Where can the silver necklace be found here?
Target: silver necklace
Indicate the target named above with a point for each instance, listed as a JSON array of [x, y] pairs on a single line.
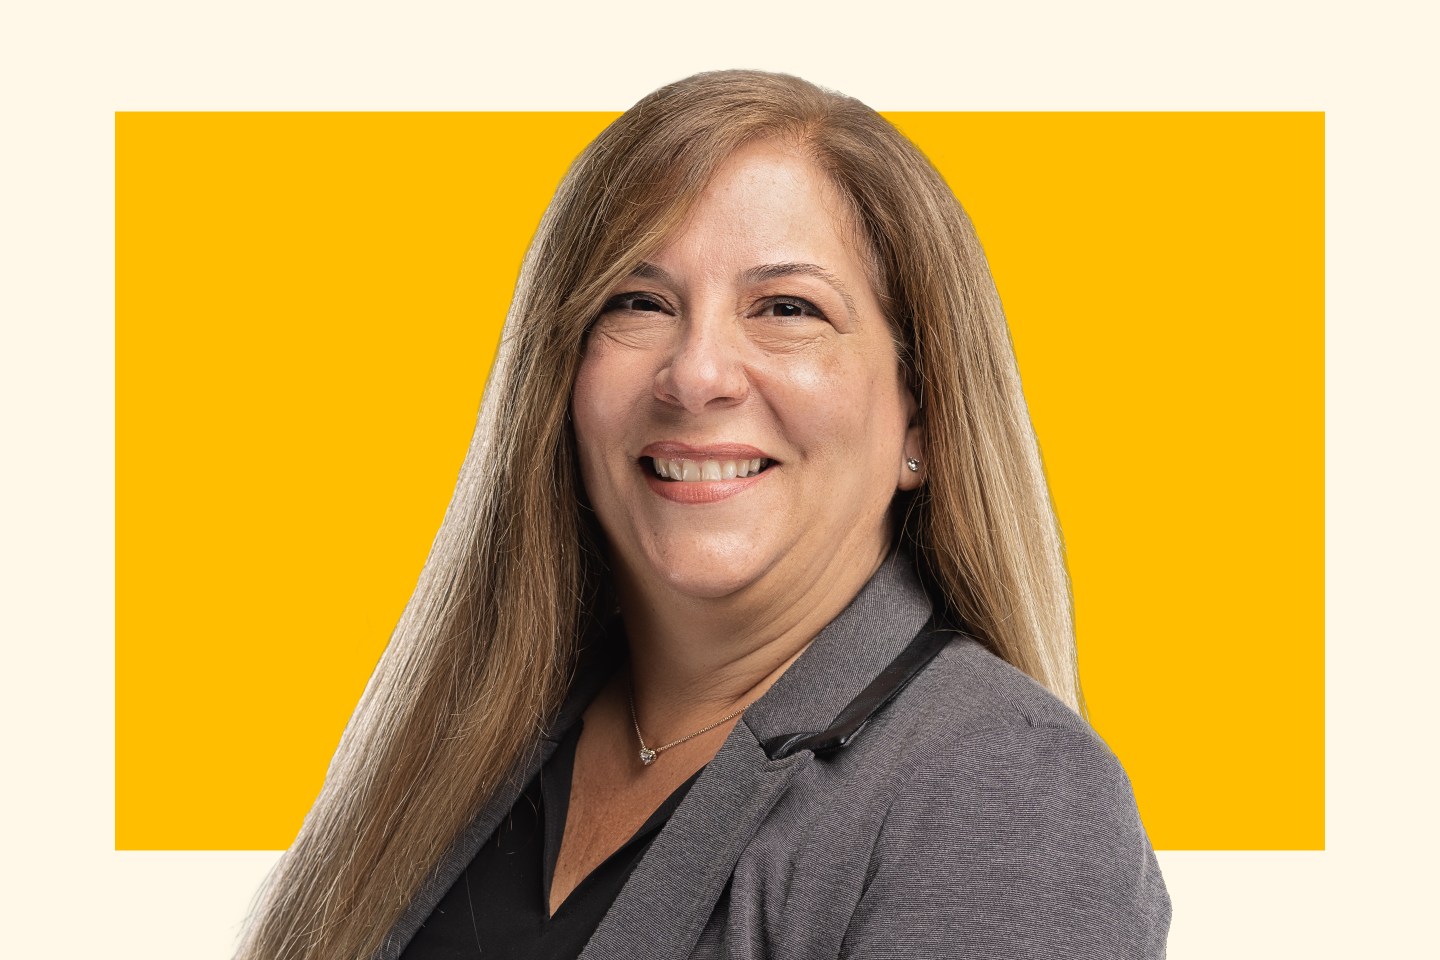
[[647, 755]]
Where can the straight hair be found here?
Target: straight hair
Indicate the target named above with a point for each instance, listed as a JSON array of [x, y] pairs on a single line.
[[483, 653]]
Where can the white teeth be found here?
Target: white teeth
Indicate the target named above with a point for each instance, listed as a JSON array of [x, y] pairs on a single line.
[[692, 471]]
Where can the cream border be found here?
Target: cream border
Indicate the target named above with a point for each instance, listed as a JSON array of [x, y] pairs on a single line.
[[70, 67]]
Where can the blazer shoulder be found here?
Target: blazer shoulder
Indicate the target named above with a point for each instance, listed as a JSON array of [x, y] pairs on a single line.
[[970, 721], [968, 690], [1011, 810], [971, 725]]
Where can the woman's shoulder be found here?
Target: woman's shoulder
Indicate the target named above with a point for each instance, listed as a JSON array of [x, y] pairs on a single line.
[[974, 733], [971, 689], [1005, 799], [970, 702], [971, 735], [972, 725]]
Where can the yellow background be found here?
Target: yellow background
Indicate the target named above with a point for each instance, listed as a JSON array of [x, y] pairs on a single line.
[[307, 305]]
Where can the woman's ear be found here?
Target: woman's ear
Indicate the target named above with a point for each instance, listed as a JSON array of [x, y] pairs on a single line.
[[912, 466]]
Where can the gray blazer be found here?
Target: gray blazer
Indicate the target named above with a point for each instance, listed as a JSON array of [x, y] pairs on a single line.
[[898, 792]]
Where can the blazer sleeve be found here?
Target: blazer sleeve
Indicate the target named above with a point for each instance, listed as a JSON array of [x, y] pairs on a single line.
[[1019, 842]]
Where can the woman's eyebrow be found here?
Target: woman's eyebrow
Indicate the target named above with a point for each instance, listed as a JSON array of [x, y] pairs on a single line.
[[649, 271], [773, 271]]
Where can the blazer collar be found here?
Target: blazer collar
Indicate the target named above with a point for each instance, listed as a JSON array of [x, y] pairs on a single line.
[[846, 657], [854, 666]]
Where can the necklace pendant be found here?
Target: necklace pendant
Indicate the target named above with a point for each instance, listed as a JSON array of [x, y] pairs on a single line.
[[647, 756]]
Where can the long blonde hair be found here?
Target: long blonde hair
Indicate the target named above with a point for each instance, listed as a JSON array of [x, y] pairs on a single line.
[[481, 658]]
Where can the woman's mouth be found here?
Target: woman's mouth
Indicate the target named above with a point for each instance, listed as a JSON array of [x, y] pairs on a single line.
[[680, 470]]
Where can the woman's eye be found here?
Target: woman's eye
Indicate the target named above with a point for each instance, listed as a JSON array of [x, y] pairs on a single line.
[[638, 302], [790, 307]]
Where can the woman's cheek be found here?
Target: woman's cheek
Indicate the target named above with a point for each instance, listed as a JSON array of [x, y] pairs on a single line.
[[819, 370]]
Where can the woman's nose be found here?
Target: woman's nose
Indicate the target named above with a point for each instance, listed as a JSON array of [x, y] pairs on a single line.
[[705, 368]]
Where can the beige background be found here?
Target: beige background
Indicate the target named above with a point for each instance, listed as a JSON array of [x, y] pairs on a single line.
[[68, 68]]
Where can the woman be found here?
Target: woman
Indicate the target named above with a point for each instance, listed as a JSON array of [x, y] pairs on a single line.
[[722, 649]]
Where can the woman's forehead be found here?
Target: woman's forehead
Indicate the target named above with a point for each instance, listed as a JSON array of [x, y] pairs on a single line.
[[769, 210]]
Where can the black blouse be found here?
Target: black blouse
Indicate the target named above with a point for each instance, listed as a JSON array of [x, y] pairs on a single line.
[[499, 906]]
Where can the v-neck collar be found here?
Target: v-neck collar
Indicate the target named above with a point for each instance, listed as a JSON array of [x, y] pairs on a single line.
[[556, 777]]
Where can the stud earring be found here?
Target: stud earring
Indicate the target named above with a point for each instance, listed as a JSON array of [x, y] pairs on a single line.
[[913, 464]]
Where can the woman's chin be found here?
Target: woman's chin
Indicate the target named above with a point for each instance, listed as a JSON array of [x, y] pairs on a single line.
[[708, 584], [707, 574]]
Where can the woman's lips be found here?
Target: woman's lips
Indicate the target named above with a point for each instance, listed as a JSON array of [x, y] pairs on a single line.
[[687, 474], [718, 451], [700, 491]]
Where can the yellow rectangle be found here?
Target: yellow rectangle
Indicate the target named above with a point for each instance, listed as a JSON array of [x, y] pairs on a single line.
[[308, 304]]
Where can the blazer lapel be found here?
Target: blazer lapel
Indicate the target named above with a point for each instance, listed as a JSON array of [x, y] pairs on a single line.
[[663, 908], [853, 667], [595, 662]]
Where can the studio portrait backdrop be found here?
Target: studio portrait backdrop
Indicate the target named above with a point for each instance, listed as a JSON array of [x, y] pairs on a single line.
[[308, 305]]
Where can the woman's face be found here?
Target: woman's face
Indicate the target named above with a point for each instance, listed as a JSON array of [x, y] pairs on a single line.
[[752, 339]]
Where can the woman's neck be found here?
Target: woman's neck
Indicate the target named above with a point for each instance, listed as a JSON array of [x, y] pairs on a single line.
[[695, 659]]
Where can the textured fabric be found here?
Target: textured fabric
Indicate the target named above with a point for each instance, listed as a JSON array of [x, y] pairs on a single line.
[[974, 816]]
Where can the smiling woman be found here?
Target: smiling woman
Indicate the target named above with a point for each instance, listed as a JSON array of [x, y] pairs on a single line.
[[751, 339], [747, 632]]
